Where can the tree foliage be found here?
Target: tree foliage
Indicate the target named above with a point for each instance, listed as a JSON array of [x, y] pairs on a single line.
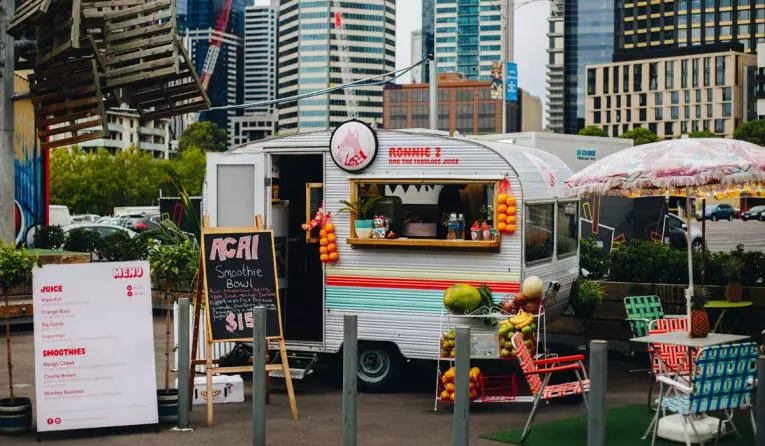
[[593, 130], [206, 135], [751, 131], [640, 136], [97, 182], [15, 266], [702, 134]]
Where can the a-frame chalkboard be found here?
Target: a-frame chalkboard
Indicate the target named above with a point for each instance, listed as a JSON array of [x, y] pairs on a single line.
[[244, 256], [240, 274]]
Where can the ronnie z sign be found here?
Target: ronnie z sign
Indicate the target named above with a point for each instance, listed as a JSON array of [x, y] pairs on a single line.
[[240, 274]]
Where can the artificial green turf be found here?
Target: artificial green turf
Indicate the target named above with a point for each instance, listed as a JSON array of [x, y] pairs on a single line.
[[624, 427]]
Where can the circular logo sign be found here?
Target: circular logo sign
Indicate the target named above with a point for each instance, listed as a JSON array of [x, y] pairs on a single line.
[[353, 146]]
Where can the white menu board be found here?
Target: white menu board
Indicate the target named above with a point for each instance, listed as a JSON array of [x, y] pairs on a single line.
[[94, 346]]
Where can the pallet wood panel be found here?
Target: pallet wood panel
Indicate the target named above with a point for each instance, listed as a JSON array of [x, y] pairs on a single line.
[[58, 32], [26, 16], [140, 44], [69, 104], [171, 96]]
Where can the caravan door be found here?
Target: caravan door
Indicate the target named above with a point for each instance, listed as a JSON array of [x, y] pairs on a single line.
[[235, 188]]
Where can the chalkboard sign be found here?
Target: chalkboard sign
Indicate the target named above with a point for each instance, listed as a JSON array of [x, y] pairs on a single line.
[[240, 273]]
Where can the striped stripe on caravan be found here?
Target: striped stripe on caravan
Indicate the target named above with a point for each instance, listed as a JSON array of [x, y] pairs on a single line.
[[409, 290]]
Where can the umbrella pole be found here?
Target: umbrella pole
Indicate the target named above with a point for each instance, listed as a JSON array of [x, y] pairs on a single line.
[[689, 291]]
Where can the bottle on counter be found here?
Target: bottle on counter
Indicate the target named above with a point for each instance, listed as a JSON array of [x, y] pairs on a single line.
[[461, 227], [452, 227]]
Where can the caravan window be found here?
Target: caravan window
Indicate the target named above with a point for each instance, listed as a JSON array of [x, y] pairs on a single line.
[[420, 210], [540, 232], [568, 231]]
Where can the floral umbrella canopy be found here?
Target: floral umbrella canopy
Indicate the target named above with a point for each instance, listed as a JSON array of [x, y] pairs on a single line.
[[690, 167]]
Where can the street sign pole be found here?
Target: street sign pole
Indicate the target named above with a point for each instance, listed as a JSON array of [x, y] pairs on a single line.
[[7, 175]]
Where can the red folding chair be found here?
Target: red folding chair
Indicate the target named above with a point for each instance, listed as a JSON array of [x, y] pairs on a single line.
[[667, 359], [538, 373]]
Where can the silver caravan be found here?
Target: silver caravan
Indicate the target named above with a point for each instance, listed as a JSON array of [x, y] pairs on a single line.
[[393, 278]]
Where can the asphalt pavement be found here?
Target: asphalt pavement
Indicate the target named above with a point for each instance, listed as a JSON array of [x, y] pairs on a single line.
[[404, 418], [725, 235]]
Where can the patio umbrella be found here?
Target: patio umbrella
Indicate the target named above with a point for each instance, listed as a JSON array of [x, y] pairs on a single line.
[[689, 167]]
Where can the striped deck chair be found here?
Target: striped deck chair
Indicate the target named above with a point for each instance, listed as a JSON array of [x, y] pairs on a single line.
[[641, 310], [723, 380], [667, 359], [538, 373]]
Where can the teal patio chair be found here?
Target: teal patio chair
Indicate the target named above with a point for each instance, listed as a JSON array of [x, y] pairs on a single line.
[[723, 380], [641, 310]]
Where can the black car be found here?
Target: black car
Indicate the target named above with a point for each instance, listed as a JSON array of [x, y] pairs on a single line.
[[755, 213]]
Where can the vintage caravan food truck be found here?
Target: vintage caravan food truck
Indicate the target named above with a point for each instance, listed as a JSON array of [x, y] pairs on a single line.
[[393, 276]]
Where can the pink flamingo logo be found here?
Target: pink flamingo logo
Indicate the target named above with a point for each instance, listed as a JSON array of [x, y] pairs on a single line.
[[349, 149]]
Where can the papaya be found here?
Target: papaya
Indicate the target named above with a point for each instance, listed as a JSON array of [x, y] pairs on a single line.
[[461, 298]]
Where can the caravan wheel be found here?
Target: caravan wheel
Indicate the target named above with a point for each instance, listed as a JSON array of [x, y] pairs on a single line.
[[379, 364]]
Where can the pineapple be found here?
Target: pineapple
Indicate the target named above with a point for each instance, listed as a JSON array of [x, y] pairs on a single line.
[[733, 269], [699, 317]]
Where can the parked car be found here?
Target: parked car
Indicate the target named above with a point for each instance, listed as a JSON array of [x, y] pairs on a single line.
[[104, 230], [716, 212], [675, 229], [59, 215], [144, 223], [755, 213], [85, 218]]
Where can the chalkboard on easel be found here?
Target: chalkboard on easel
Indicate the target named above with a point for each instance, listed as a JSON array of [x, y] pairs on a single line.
[[240, 273]]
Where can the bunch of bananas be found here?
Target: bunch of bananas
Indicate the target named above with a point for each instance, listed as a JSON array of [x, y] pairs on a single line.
[[522, 319]]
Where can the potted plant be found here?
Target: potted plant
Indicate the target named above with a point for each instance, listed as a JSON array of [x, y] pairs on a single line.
[[586, 297], [734, 267], [361, 210], [171, 264], [15, 270], [699, 317]]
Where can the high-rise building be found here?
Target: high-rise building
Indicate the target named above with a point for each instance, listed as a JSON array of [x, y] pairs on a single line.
[[126, 129], [417, 72], [555, 67], [760, 79], [685, 90], [225, 86], [683, 24], [314, 54], [428, 37], [260, 71], [588, 38], [469, 36], [196, 21]]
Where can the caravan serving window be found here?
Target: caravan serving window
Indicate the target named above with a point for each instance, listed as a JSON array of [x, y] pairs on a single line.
[[417, 213]]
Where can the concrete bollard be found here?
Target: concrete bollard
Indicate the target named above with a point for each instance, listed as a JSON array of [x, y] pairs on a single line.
[[760, 404], [596, 414], [350, 379], [259, 377], [461, 423], [183, 363]]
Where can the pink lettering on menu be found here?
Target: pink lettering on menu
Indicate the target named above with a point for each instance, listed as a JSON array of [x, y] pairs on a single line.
[[246, 248]]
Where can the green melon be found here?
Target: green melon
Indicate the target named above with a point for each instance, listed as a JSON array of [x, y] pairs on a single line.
[[461, 298]]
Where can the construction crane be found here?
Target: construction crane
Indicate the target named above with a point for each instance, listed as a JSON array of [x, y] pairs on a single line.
[[344, 56], [216, 40]]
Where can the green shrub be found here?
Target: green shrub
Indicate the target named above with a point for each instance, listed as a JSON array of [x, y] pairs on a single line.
[[49, 237], [586, 297], [650, 262], [83, 240], [591, 259], [120, 247]]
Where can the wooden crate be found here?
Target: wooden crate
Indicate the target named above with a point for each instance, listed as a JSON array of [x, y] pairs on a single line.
[[26, 16], [140, 44], [58, 33], [69, 104], [94, 14], [170, 96]]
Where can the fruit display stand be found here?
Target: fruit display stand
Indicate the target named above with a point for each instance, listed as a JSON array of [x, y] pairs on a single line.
[[487, 344]]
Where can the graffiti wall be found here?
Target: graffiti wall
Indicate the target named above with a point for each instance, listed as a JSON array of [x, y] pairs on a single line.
[[29, 165]]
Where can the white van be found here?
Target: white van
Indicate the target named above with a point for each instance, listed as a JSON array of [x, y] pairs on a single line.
[[59, 215]]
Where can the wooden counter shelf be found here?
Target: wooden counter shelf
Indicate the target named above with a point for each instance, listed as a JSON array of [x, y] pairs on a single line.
[[466, 245]]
